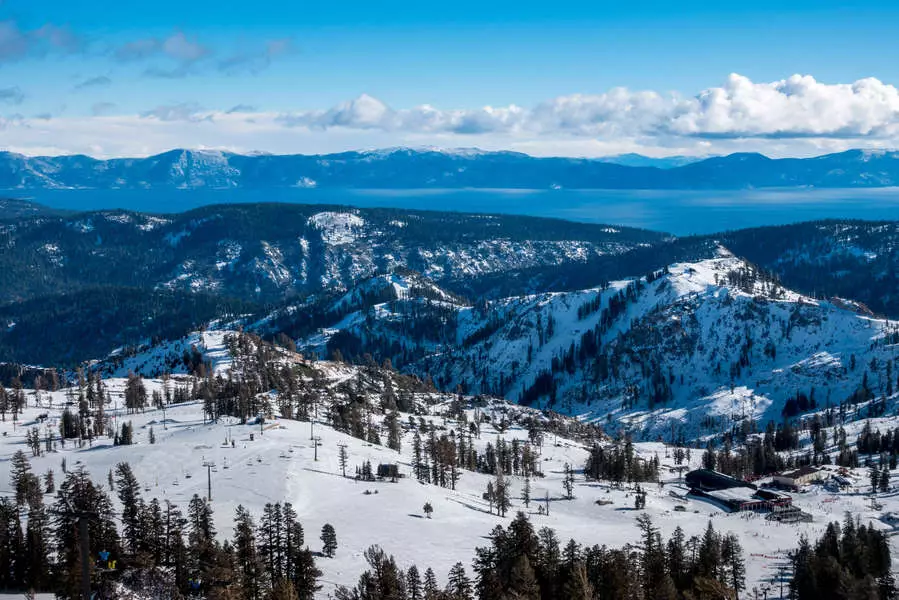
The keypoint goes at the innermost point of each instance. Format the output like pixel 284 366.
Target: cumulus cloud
pixel 367 112
pixel 795 116
pixel 796 107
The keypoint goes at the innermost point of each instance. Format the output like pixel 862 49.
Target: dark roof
pixel 707 479
pixel 800 472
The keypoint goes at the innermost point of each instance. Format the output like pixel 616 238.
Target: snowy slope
pixel 278 465
pixel 705 339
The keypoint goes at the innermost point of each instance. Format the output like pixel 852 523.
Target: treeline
pixel 852 561
pixel 525 564
pixel 152 542
pixel 126 316
pixel 618 463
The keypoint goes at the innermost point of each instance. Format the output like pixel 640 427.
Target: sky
pixel 121 78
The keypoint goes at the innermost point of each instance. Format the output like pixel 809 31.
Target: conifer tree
pixel 329 540
pixel 128 490
pixel 306 575
pixel 458 585
pixel 430 585
pixel 249 564
pixel 413 584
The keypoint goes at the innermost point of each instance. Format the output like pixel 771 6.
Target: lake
pixel 681 212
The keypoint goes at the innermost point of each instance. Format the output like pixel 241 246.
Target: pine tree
pixel 24 483
pixel 734 565
pixel 292 544
pixel 501 493
pixel 135 394
pixel 394 432
pixel 77 493
pixel 201 530
pixel 129 495
pixel 577 585
pixel 413 584
pixel 329 540
pixel 431 590
pixel 458 586
pixel 249 564
pixel 306 575
pixel 284 590
pixel 271 540
pixel 874 475
pixel 522 580
pixel 37 549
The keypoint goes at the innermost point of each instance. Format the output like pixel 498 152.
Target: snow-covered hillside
pixel 713 338
pixel 275 461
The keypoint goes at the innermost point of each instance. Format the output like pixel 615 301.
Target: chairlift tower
pixel 209 465
pixel 316 442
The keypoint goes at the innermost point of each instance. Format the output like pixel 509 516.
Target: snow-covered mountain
pixel 704 344
pixel 177 452
pixel 433 168
pixel 269 251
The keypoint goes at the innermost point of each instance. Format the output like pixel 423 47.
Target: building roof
pixel 800 472
pixel 737 494
pixel 708 479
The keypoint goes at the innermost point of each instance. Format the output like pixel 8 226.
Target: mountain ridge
pixel 409 168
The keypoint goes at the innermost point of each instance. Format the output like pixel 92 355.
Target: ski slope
pixel 278 465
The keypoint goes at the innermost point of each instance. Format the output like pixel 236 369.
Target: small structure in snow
pixel 798 477
pixel 733 494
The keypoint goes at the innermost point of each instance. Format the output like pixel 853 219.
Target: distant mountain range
pixel 404 168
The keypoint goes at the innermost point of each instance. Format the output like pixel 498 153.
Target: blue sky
pixel 126 71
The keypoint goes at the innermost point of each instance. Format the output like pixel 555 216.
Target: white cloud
pixel 796 107
pixel 795 116
pixel 184 111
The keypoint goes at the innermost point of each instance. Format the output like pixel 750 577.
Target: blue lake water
pixel 680 212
